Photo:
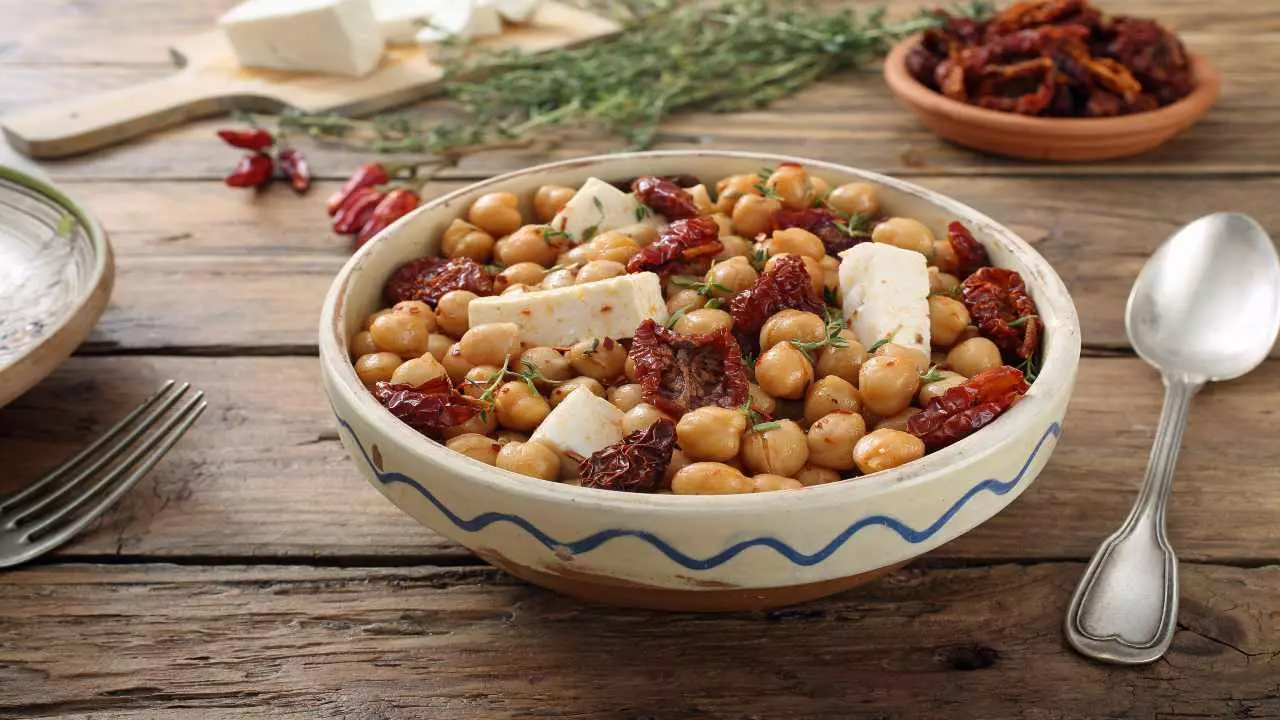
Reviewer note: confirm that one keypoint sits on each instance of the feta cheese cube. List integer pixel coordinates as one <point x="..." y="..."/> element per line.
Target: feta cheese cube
<point x="580" y="425"/>
<point x="464" y="18"/>
<point x="599" y="207"/>
<point x="400" y="20"/>
<point x="339" y="37"/>
<point x="516" y="11"/>
<point x="613" y="308"/>
<point x="886" y="294"/>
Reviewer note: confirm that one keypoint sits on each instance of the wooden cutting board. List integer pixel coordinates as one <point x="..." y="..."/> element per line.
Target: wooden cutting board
<point x="210" y="82"/>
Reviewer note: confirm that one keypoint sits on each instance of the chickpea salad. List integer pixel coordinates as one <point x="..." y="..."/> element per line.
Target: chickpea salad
<point x="651" y="335"/>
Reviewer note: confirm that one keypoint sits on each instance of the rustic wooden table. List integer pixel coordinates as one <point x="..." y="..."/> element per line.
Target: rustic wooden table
<point x="253" y="570"/>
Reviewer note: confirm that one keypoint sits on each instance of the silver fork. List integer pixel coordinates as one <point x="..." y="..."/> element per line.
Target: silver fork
<point x="57" y="506"/>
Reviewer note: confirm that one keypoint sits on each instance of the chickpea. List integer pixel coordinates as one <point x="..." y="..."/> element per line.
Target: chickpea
<point x="686" y="299"/>
<point x="496" y="213"/>
<point x="701" y="199"/>
<point x="578" y="255"/>
<point x="730" y="277"/>
<point x="599" y="358"/>
<point x="796" y="241"/>
<point x="929" y="391"/>
<point x="522" y="273"/>
<point x="811" y="475"/>
<point x="401" y="333"/>
<point x="548" y="365"/>
<point x="729" y="190"/>
<point x="915" y="355"/>
<point x="941" y="283"/>
<point x="780" y="450"/>
<point x="947" y="319"/>
<point x="529" y="244"/>
<point x="843" y="362"/>
<point x="368" y="319"/>
<point x="491" y="343"/>
<point x="519" y="407"/>
<point x="625" y="397"/>
<point x="479" y="424"/>
<point x="906" y="233"/>
<point x="887" y="384"/>
<point x="438" y="344"/>
<point x="640" y="417"/>
<point x="711" y="433"/>
<point x="478" y="379"/>
<point x="828" y="395"/>
<point x="464" y="240"/>
<point x="734" y="246"/>
<point x="508" y="436"/>
<point x="753" y="215"/>
<point x="476" y="446"/>
<point x="817" y="275"/>
<point x="418" y="309"/>
<point x="710" y="478"/>
<point x="530" y="458"/>
<point x="600" y="270"/>
<point x="566" y="388"/>
<point x="640" y="233"/>
<point x="766" y="482"/>
<point x="791" y="326"/>
<point x="678" y="461"/>
<point x="784" y="371"/>
<point x="974" y="356"/>
<point x="792" y="185"/>
<point x="516" y="289"/>
<point x="703" y="320"/>
<point x="760" y="400"/>
<point x="629" y="370"/>
<point x="855" y="197"/>
<point x="820" y="187"/>
<point x="898" y="421"/>
<point x="564" y="277"/>
<point x="831" y="439"/>
<point x="615" y="247"/>
<point x="455" y="364"/>
<point x="362" y="344"/>
<point x="883" y="449"/>
<point x="724" y="225"/>
<point x="376" y="367"/>
<point x="945" y="257"/>
<point x="418" y="371"/>
<point x="549" y="200"/>
<point x="451" y="311"/>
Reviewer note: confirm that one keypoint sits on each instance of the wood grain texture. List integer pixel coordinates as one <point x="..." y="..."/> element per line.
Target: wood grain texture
<point x="467" y="643"/>
<point x="262" y="475"/>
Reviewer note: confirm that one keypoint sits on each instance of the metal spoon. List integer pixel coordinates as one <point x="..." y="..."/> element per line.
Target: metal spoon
<point x="1205" y="307"/>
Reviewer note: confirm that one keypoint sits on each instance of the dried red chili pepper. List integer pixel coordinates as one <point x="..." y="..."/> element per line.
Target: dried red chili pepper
<point x="635" y="463"/>
<point x="682" y="240"/>
<point x="965" y="408"/>
<point x="968" y="250"/>
<point x="678" y="373"/>
<point x="1003" y="311"/>
<point x="430" y="408"/>
<point x="255" y="139"/>
<point x="785" y="285"/>
<point x="295" y="168"/>
<point x="356" y="211"/>
<point x="253" y="170"/>
<point x="664" y="197"/>
<point x="429" y="278"/>
<point x="393" y="206"/>
<point x="370" y="175"/>
<point x="835" y="235"/>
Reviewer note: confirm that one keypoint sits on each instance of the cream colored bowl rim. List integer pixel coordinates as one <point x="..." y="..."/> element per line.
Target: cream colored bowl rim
<point x="1056" y="376"/>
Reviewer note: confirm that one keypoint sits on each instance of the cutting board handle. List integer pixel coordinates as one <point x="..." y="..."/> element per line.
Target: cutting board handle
<point x="87" y="123"/>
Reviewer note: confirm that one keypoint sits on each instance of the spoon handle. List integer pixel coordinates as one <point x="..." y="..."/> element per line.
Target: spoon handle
<point x="1126" y="607"/>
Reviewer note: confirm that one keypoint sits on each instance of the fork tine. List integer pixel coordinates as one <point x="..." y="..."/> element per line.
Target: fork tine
<point x="153" y="448"/>
<point x="15" y="514"/>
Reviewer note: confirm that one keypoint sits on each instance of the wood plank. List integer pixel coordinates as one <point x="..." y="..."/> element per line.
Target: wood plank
<point x="263" y="475"/>
<point x="205" y="269"/>
<point x="468" y="643"/>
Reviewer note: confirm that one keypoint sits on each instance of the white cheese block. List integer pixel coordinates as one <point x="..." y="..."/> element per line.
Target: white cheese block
<point x="464" y="18"/>
<point x="516" y="11"/>
<point x="886" y="294"/>
<point x="580" y="425"/>
<point x="610" y="308"/>
<point x="400" y="20"/>
<point x="339" y="37"/>
<point x="599" y="207"/>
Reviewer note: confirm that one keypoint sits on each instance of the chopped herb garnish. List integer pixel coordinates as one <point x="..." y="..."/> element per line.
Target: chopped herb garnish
<point x="830" y="338"/>
<point x="759" y="257"/>
<point x="766" y="426"/>
<point x="589" y="232"/>
<point x="931" y="375"/>
<point x="766" y="191"/>
<point x="714" y="304"/>
<point x="880" y="343"/>
<point x="764" y="174"/>
<point x="705" y="288"/>
<point x="1020" y="321"/>
<point x="675" y="318"/>
<point x="857" y="225"/>
<point x="642" y="212"/>
<point x="595" y="345"/>
<point x="831" y="296"/>
<point x="549" y="233"/>
<point x="599" y="205"/>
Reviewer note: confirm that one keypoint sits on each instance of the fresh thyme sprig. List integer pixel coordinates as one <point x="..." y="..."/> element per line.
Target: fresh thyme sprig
<point x="705" y="288"/>
<point x="830" y="337"/>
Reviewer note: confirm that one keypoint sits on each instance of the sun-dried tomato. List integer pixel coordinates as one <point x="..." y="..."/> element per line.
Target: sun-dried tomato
<point x="682" y="240"/>
<point x="963" y="409"/>
<point x="786" y="285"/>
<point x="968" y="250"/>
<point x="429" y="278"/>
<point x="635" y="463"/>
<point x="1003" y="311"/>
<point x="679" y="373"/>
<point x="682" y="180"/>
<point x="836" y="236"/>
<point x="430" y="408"/>
<point x="664" y="197"/>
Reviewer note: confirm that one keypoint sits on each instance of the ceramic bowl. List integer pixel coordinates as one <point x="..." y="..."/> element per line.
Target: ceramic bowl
<point x="704" y="552"/>
<point x="1049" y="139"/>
<point x="56" y="274"/>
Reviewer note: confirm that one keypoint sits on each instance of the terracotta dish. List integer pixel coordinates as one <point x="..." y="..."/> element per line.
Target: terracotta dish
<point x="1049" y="139"/>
